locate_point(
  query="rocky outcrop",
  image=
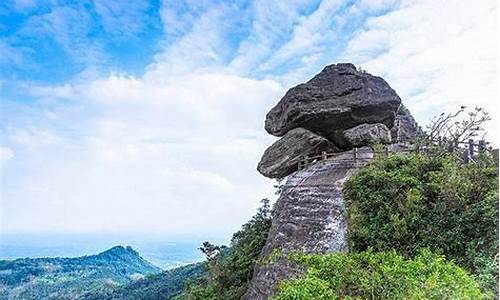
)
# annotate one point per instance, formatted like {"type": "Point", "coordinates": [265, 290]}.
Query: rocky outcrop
{"type": "Point", "coordinates": [338, 98]}
{"type": "Point", "coordinates": [338, 109]}
{"type": "Point", "coordinates": [309, 217]}
{"type": "Point", "coordinates": [367, 134]}
{"type": "Point", "coordinates": [282, 157]}
{"type": "Point", "coordinates": [405, 127]}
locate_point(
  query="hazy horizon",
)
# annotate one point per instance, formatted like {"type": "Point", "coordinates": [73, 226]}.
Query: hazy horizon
{"type": "Point", "coordinates": [164, 252]}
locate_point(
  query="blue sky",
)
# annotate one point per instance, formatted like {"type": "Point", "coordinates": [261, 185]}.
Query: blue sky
{"type": "Point", "coordinates": [147, 116]}
{"type": "Point", "coordinates": [52, 42]}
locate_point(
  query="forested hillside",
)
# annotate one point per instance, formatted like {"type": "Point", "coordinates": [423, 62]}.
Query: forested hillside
{"type": "Point", "coordinates": [160, 286]}
{"type": "Point", "coordinates": [70, 278]}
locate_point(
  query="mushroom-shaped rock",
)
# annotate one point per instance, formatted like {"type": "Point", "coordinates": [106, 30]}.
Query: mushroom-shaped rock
{"type": "Point", "coordinates": [338, 98]}
{"type": "Point", "coordinates": [367, 134]}
{"type": "Point", "coordinates": [282, 157]}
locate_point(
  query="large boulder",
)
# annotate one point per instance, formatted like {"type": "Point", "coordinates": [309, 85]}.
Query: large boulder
{"type": "Point", "coordinates": [338, 98]}
{"type": "Point", "coordinates": [367, 134]}
{"type": "Point", "coordinates": [282, 157]}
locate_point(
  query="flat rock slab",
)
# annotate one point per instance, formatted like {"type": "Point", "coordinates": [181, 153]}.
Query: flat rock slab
{"type": "Point", "coordinates": [309, 216]}
{"type": "Point", "coordinates": [282, 157]}
{"type": "Point", "coordinates": [338, 98]}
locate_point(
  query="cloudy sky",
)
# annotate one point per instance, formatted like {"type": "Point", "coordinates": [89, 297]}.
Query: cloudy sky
{"type": "Point", "coordinates": [147, 116]}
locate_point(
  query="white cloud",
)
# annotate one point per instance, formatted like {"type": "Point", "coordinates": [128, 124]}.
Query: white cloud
{"type": "Point", "coordinates": [122, 19]}
{"type": "Point", "coordinates": [5, 154]}
{"type": "Point", "coordinates": [376, 4]}
{"type": "Point", "coordinates": [31, 138]}
{"type": "Point", "coordinates": [24, 4]}
{"type": "Point", "coordinates": [10, 54]}
{"type": "Point", "coordinates": [436, 55]}
{"type": "Point", "coordinates": [307, 34]}
{"type": "Point", "coordinates": [176, 158]}
{"type": "Point", "coordinates": [272, 23]}
{"type": "Point", "coordinates": [200, 48]}
{"type": "Point", "coordinates": [67, 26]}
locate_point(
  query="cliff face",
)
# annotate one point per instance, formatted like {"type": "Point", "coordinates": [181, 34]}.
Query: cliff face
{"type": "Point", "coordinates": [309, 216]}
{"type": "Point", "coordinates": [338, 109]}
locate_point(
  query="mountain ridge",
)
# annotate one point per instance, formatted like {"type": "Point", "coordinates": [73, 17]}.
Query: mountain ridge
{"type": "Point", "coordinates": [69, 277]}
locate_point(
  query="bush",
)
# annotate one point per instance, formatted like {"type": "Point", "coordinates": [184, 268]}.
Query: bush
{"type": "Point", "coordinates": [383, 275]}
{"type": "Point", "coordinates": [412, 202]}
{"type": "Point", "coordinates": [229, 270]}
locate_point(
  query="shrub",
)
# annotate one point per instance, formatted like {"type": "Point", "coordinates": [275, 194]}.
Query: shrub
{"type": "Point", "coordinates": [229, 269]}
{"type": "Point", "coordinates": [412, 202]}
{"type": "Point", "coordinates": [382, 275]}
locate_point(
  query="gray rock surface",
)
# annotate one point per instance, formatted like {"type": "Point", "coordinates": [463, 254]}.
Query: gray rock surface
{"type": "Point", "coordinates": [367, 134]}
{"type": "Point", "coordinates": [309, 216]}
{"type": "Point", "coordinates": [338, 98]}
{"type": "Point", "coordinates": [282, 157]}
{"type": "Point", "coordinates": [405, 127]}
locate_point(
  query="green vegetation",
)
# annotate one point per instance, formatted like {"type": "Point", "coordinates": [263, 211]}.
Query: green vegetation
{"type": "Point", "coordinates": [412, 202]}
{"type": "Point", "coordinates": [402, 210]}
{"type": "Point", "coordinates": [229, 269]}
{"type": "Point", "coordinates": [165, 285]}
{"type": "Point", "coordinates": [70, 278]}
{"type": "Point", "coordinates": [383, 275]}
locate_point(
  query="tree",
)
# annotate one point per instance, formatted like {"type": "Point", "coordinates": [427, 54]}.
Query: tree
{"type": "Point", "coordinates": [450, 130]}
{"type": "Point", "coordinates": [229, 269]}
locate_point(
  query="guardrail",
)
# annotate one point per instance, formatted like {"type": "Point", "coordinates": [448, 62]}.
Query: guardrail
{"type": "Point", "coordinates": [351, 161]}
{"type": "Point", "coordinates": [470, 151]}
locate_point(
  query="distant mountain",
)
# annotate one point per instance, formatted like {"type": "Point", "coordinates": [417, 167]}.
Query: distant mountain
{"type": "Point", "coordinates": [71, 278]}
{"type": "Point", "coordinates": [161, 286]}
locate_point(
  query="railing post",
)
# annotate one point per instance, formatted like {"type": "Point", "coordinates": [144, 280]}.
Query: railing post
{"type": "Point", "coordinates": [465, 156]}
{"type": "Point", "coordinates": [450, 146]}
{"type": "Point", "coordinates": [482, 146]}
{"type": "Point", "coordinates": [306, 161]}
{"type": "Point", "coordinates": [471, 148]}
{"type": "Point", "coordinates": [324, 155]}
{"type": "Point", "coordinates": [354, 152]}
